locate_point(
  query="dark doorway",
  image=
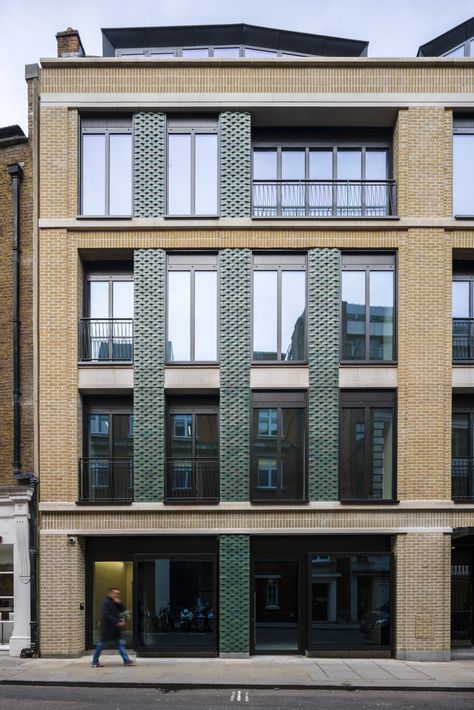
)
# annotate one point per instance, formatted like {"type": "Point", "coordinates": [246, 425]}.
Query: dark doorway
{"type": "Point", "coordinates": [276, 607]}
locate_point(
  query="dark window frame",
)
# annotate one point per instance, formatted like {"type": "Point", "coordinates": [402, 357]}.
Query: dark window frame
{"type": "Point", "coordinates": [123, 405]}
{"type": "Point", "coordinates": [463, 404]}
{"type": "Point", "coordinates": [365, 265]}
{"type": "Point", "coordinates": [368, 400]}
{"type": "Point", "coordinates": [278, 400]}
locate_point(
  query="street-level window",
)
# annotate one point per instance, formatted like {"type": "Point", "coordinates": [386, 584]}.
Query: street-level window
{"type": "Point", "coordinates": [279, 307]}
{"type": "Point", "coordinates": [367, 445]}
{"type": "Point", "coordinates": [192, 308]}
{"type": "Point", "coordinates": [192, 166]}
{"type": "Point", "coordinates": [7, 607]}
{"type": "Point", "coordinates": [463, 159]}
{"type": "Point", "coordinates": [106, 167]}
{"type": "Point", "coordinates": [278, 446]}
{"type": "Point", "coordinates": [368, 307]}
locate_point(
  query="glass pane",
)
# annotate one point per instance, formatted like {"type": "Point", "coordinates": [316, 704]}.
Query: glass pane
{"type": "Point", "coordinates": [353, 454]}
{"type": "Point", "coordinates": [460, 436]}
{"type": "Point", "coordinates": [206, 174]}
{"type": "Point", "coordinates": [250, 52]}
{"type": "Point", "coordinates": [206, 436]}
{"type": "Point", "coordinates": [181, 436]}
{"type": "Point", "coordinates": [293, 326]}
{"type": "Point", "coordinates": [293, 453]}
{"type": "Point", "coordinates": [376, 165]}
{"type": "Point", "coordinates": [162, 55]}
{"type": "Point", "coordinates": [265, 428]}
{"type": "Point", "coordinates": [350, 601]}
{"type": "Point", "coordinates": [122, 444]}
{"type": "Point", "coordinates": [6, 558]}
{"type": "Point", "coordinates": [353, 315]}
{"type": "Point", "coordinates": [349, 196]}
{"type": "Point", "coordinates": [471, 48]}
{"type": "Point", "coordinates": [460, 299]}
{"type": "Point", "coordinates": [113, 574]}
{"type": "Point", "coordinates": [179, 316]}
{"type": "Point", "coordinates": [120, 174]}
{"type": "Point", "coordinates": [292, 164]}
{"type": "Point", "coordinates": [320, 194]}
{"type": "Point", "coordinates": [205, 303]}
{"type": "Point", "coordinates": [265, 194]}
{"type": "Point", "coordinates": [93, 174]}
{"type": "Point", "coordinates": [98, 436]}
{"type": "Point", "coordinates": [463, 184]}
{"type": "Point", "coordinates": [349, 165]}
{"type": "Point", "coordinates": [293, 195]}
{"type": "Point", "coordinates": [461, 463]}
{"type": "Point", "coordinates": [458, 52]}
{"type": "Point", "coordinates": [226, 51]}
{"type": "Point", "coordinates": [265, 315]}
{"type": "Point", "coordinates": [198, 52]}
{"type": "Point", "coordinates": [276, 606]}
{"type": "Point", "coordinates": [264, 164]}
{"type": "Point", "coordinates": [382, 454]}
{"type": "Point", "coordinates": [179, 174]}
{"type": "Point", "coordinates": [122, 306]}
{"type": "Point", "coordinates": [320, 164]}
{"type": "Point", "coordinates": [98, 299]}
{"type": "Point", "coordinates": [381, 315]}
{"type": "Point", "coordinates": [176, 604]}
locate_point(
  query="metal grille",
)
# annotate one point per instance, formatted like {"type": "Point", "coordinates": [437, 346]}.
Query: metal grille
{"type": "Point", "coordinates": [235, 129]}
{"type": "Point", "coordinates": [149, 135]}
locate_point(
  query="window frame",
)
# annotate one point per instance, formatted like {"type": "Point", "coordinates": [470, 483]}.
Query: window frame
{"type": "Point", "coordinates": [178, 51]}
{"type": "Point", "coordinates": [279, 400]}
{"type": "Point", "coordinates": [368, 400]}
{"type": "Point", "coordinates": [466, 46]}
{"type": "Point", "coordinates": [279, 262]}
{"type": "Point", "coordinates": [193, 125]}
{"type": "Point", "coordinates": [109, 276]}
{"type": "Point", "coordinates": [192, 262]}
{"type": "Point", "coordinates": [104, 126]}
{"type": "Point", "coordinates": [463, 124]}
{"type": "Point", "coordinates": [365, 265]}
{"type": "Point", "coordinates": [463, 404]}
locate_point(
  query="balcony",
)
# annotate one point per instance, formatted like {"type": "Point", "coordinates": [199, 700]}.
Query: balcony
{"type": "Point", "coordinates": [106, 340]}
{"type": "Point", "coordinates": [463, 339]}
{"type": "Point", "coordinates": [324, 198]}
{"type": "Point", "coordinates": [192, 480]}
{"type": "Point", "coordinates": [462, 479]}
{"type": "Point", "coordinates": [105, 480]}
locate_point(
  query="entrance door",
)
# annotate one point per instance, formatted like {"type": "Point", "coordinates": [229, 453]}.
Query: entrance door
{"type": "Point", "coordinates": [276, 607]}
{"type": "Point", "coordinates": [462, 596]}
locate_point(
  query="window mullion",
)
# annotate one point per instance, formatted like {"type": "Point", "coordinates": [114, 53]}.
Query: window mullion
{"type": "Point", "coordinates": [279, 313]}
{"type": "Point", "coordinates": [192, 182]}
{"type": "Point", "coordinates": [368, 451]}
{"type": "Point", "coordinates": [107, 172]}
{"type": "Point", "coordinates": [192, 315]}
{"type": "Point", "coordinates": [279, 457]}
{"type": "Point", "coordinates": [367, 314]}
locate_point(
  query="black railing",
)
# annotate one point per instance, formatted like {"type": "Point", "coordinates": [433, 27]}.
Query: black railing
{"type": "Point", "coordinates": [102, 339]}
{"type": "Point", "coordinates": [463, 338]}
{"type": "Point", "coordinates": [192, 480]}
{"type": "Point", "coordinates": [462, 478]}
{"type": "Point", "coordinates": [324, 198]}
{"type": "Point", "coordinates": [105, 480]}
{"type": "Point", "coordinates": [462, 628]}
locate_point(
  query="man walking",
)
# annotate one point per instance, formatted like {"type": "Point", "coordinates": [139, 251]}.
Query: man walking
{"type": "Point", "coordinates": [112, 623]}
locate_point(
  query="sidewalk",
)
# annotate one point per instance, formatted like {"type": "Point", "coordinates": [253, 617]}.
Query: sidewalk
{"type": "Point", "coordinates": [256, 672]}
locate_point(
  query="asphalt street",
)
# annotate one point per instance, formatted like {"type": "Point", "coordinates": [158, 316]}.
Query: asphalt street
{"type": "Point", "coordinates": [69, 698]}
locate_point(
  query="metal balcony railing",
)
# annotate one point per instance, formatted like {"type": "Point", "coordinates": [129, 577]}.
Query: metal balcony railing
{"type": "Point", "coordinates": [324, 198]}
{"type": "Point", "coordinates": [463, 338]}
{"type": "Point", "coordinates": [106, 480]}
{"type": "Point", "coordinates": [462, 478]}
{"type": "Point", "coordinates": [192, 480]}
{"type": "Point", "coordinates": [103, 339]}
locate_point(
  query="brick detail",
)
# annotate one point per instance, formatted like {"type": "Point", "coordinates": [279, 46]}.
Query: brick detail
{"type": "Point", "coordinates": [323, 404]}
{"type": "Point", "coordinates": [149, 141]}
{"type": "Point", "coordinates": [235, 275]}
{"type": "Point", "coordinates": [235, 132]}
{"type": "Point", "coordinates": [423, 583]}
{"type": "Point", "coordinates": [234, 593]}
{"type": "Point", "coordinates": [149, 400]}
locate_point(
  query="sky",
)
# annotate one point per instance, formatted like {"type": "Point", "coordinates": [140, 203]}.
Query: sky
{"type": "Point", "coordinates": [28, 27]}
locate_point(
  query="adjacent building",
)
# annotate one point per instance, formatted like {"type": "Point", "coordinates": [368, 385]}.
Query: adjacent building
{"type": "Point", "coordinates": [250, 360]}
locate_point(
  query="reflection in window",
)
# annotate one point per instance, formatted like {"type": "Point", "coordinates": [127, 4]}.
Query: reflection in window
{"type": "Point", "coordinates": [7, 598]}
{"type": "Point", "coordinates": [463, 318]}
{"type": "Point", "coordinates": [463, 184]}
{"type": "Point", "coordinates": [112, 574]}
{"type": "Point", "coordinates": [107, 331]}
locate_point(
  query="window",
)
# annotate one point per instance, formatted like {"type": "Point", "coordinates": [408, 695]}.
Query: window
{"type": "Point", "coordinates": [278, 446]}
{"type": "Point", "coordinates": [193, 452]}
{"type": "Point", "coordinates": [106, 332]}
{"type": "Point", "coordinates": [106, 167]}
{"type": "Point", "coordinates": [367, 446]}
{"type": "Point", "coordinates": [192, 166]}
{"type": "Point", "coordinates": [279, 307]}
{"type": "Point", "coordinates": [462, 445]}
{"type": "Point", "coordinates": [463, 316]}
{"type": "Point", "coordinates": [463, 159]}
{"type": "Point", "coordinates": [192, 308]}
{"type": "Point", "coordinates": [368, 307]}
{"type": "Point", "coordinates": [227, 52]}
{"type": "Point", "coordinates": [7, 598]}
{"type": "Point", "coordinates": [466, 49]}
{"type": "Point", "coordinates": [321, 180]}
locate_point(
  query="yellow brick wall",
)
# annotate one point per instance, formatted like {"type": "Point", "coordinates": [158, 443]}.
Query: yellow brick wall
{"type": "Point", "coordinates": [423, 583]}
{"type": "Point", "coordinates": [58, 162]}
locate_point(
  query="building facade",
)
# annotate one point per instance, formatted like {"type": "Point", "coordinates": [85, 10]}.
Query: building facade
{"type": "Point", "coordinates": [248, 365]}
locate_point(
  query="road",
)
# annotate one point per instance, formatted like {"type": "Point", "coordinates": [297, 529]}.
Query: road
{"type": "Point", "coordinates": [74, 698]}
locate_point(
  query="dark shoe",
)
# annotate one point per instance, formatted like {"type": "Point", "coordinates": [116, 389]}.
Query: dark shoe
{"type": "Point", "coordinates": [129, 663]}
{"type": "Point", "coordinates": [97, 664]}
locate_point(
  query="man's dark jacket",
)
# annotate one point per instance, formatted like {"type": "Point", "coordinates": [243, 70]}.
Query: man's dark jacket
{"type": "Point", "coordinates": [111, 616]}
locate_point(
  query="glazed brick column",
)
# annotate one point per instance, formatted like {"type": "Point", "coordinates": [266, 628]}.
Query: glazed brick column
{"type": "Point", "coordinates": [323, 351]}
{"type": "Point", "coordinates": [234, 595]}
{"type": "Point", "coordinates": [236, 151]}
{"type": "Point", "coordinates": [235, 275]}
{"type": "Point", "coordinates": [149, 400]}
{"type": "Point", "coordinates": [149, 167]}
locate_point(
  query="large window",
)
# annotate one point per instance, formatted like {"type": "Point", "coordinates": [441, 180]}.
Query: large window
{"type": "Point", "coordinates": [463, 315]}
{"type": "Point", "coordinates": [279, 307]}
{"type": "Point", "coordinates": [7, 598]}
{"type": "Point", "coordinates": [322, 181]}
{"type": "Point", "coordinates": [106, 167]}
{"type": "Point", "coordinates": [463, 159]}
{"type": "Point", "coordinates": [192, 308]}
{"type": "Point", "coordinates": [368, 307]}
{"type": "Point", "coordinates": [367, 445]}
{"type": "Point", "coordinates": [462, 443]}
{"type": "Point", "coordinates": [278, 446]}
{"type": "Point", "coordinates": [192, 167]}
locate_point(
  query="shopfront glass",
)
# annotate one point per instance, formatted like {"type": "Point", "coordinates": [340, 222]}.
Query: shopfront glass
{"type": "Point", "coordinates": [6, 594]}
{"type": "Point", "coordinates": [176, 604]}
{"type": "Point", "coordinates": [276, 606]}
{"type": "Point", "coordinates": [118, 575]}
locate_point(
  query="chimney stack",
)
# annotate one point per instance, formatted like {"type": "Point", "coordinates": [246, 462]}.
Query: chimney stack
{"type": "Point", "coordinates": [69, 44]}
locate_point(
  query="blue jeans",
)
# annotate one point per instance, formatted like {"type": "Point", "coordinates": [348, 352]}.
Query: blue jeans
{"type": "Point", "coordinates": [120, 648]}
